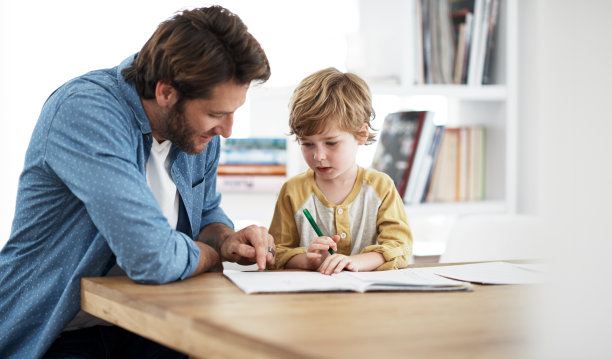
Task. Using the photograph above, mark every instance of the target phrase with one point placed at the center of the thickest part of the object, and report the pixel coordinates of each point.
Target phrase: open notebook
(410, 279)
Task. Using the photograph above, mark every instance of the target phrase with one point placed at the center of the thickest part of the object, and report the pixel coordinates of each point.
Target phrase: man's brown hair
(196, 50)
(329, 96)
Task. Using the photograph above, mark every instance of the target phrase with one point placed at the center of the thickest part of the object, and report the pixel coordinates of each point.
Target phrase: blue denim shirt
(83, 204)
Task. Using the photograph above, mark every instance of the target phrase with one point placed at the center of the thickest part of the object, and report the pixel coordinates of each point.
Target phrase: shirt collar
(131, 96)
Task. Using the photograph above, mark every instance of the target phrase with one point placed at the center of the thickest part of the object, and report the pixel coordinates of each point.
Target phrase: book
(480, 40)
(443, 186)
(487, 76)
(249, 183)
(420, 165)
(458, 173)
(251, 157)
(397, 146)
(438, 42)
(251, 169)
(424, 175)
(476, 163)
(462, 15)
(267, 156)
(255, 142)
(409, 279)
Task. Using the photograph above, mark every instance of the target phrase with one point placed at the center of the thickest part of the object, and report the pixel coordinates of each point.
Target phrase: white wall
(45, 43)
(565, 166)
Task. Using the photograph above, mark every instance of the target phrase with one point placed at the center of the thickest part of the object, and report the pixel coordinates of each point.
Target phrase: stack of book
(458, 173)
(252, 164)
(455, 41)
(429, 162)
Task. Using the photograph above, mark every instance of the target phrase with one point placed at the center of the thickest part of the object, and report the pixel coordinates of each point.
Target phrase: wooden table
(209, 317)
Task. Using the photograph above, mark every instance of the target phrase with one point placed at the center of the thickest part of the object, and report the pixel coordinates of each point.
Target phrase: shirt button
(342, 235)
(340, 211)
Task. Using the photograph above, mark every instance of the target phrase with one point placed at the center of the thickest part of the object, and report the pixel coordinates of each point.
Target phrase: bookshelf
(389, 67)
(384, 58)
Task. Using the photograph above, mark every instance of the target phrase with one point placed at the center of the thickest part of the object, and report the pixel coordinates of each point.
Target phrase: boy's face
(331, 154)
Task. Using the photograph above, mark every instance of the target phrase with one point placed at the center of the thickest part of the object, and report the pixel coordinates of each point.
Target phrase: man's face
(191, 124)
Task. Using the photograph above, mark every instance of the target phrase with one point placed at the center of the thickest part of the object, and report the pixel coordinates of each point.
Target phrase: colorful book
(263, 156)
(255, 142)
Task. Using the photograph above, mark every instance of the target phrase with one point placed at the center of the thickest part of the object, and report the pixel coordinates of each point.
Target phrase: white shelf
(456, 208)
(460, 92)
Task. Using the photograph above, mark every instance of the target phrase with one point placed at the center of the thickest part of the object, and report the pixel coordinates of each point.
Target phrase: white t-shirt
(160, 180)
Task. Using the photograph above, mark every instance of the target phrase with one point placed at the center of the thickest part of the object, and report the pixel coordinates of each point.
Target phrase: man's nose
(224, 128)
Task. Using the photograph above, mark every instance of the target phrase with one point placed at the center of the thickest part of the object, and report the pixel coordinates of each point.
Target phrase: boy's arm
(395, 237)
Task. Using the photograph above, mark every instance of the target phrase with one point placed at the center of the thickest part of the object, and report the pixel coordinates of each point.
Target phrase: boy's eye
(331, 143)
(306, 144)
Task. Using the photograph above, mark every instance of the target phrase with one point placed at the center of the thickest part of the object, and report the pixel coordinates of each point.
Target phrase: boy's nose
(319, 155)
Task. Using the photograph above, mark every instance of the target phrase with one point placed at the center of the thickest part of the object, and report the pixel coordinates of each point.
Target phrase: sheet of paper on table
(495, 272)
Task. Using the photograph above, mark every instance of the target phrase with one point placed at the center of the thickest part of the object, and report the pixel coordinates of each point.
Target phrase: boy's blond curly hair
(329, 96)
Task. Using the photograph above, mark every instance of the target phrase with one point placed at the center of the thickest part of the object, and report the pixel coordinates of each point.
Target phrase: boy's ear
(364, 132)
(165, 94)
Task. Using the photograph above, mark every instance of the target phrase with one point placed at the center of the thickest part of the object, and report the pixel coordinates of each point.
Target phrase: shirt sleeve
(394, 235)
(284, 230)
(92, 148)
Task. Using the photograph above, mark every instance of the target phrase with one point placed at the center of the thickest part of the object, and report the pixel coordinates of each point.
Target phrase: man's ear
(165, 94)
(364, 132)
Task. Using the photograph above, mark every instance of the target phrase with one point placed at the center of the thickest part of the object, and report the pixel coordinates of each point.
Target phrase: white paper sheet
(493, 273)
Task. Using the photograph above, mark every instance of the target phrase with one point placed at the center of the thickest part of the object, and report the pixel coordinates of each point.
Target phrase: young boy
(359, 211)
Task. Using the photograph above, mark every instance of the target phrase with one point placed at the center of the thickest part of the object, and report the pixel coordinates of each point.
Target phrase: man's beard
(177, 130)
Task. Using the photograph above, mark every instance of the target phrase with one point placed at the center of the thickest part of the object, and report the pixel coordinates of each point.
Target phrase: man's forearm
(214, 235)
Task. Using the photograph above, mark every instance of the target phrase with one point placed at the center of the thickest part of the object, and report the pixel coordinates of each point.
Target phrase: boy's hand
(318, 250)
(335, 263)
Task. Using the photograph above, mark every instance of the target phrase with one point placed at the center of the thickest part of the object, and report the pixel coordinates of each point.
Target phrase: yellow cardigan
(371, 219)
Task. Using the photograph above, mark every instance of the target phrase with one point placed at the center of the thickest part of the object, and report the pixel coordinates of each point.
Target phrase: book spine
(253, 156)
(253, 143)
(245, 169)
(240, 183)
(410, 160)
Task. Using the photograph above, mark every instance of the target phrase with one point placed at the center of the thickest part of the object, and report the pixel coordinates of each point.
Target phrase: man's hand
(249, 245)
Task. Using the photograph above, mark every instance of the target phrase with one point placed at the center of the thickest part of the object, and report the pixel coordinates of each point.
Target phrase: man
(120, 174)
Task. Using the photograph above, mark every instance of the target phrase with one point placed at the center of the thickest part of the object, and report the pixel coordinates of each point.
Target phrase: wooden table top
(208, 316)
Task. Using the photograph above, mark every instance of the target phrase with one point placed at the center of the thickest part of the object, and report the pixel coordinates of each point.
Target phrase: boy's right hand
(318, 250)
